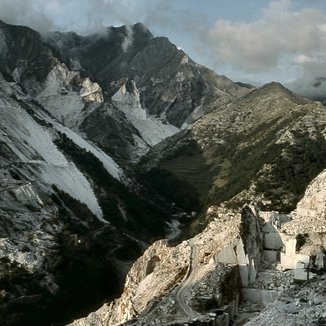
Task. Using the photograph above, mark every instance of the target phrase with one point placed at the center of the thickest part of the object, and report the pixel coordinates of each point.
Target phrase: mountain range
(111, 141)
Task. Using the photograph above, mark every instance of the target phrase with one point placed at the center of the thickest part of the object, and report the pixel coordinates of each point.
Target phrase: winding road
(182, 293)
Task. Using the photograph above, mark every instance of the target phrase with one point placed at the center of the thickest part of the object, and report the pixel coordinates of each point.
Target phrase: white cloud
(301, 58)
(26, 12)
(162, 14)
(259, 45)
(54, 7)
(312, 78)
(128, 40)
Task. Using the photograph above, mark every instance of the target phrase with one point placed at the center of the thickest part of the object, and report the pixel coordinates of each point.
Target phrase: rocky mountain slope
(68, 216)
(171, 85)
(77, 114)
(71, 219)
(268, 144)
(153, 84)
(138, 89)
(265, 148)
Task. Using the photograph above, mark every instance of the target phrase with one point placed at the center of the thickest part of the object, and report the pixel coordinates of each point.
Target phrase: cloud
(260, 45)
(128, 40)
(92, 16)
(312, 78)
(156, 14)
(26, 12)
(54, 6)
(103, 13)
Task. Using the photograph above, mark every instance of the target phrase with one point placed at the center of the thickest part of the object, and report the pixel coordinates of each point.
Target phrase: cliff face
(309, 216)
(313, 203)
(168, 282)
(24, 57)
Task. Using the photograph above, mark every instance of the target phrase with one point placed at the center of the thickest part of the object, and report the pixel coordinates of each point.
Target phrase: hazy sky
(247, 40)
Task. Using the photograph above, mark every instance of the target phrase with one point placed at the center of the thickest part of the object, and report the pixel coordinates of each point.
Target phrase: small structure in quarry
(285, 256)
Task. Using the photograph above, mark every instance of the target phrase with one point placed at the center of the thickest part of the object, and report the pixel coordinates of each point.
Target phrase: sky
(255, 41)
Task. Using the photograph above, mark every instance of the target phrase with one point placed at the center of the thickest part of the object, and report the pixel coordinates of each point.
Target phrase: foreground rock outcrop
(171, 284)
(302, 289)
(244, 261)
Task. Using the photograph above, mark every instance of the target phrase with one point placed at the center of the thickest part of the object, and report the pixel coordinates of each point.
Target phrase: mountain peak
(274, 84)
(140, 26)
(275, 88)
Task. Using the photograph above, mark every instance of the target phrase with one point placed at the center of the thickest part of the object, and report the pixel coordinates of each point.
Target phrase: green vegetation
(223, 170)
(293, 170)
(177, 191)
(246, 161)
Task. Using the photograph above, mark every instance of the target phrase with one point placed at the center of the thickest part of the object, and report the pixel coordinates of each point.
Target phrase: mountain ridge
(246, 134)
(140, 63)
